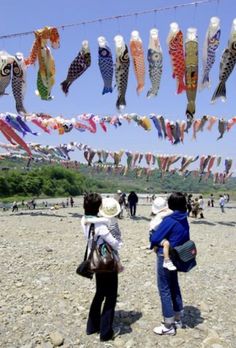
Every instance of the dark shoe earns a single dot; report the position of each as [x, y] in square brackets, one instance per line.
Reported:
[92, 332]
[115, 333]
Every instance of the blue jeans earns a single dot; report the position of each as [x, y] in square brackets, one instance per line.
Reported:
[169, 290]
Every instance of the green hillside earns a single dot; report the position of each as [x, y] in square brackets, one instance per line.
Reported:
[44, 180]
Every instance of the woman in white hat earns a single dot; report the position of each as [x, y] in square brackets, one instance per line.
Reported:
[106, 283]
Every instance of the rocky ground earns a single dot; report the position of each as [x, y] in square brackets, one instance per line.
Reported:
[43, 303]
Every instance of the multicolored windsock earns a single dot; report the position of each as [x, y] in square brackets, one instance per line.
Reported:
[137, 53]
[121, 70]
[5, 71]
[41, 52]
[227, 64]
[155, 58]
[78, 66]
[211, 44]
[176, 51]
[191, 70]
[105, 63]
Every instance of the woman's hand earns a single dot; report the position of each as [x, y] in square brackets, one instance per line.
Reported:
[155, 248]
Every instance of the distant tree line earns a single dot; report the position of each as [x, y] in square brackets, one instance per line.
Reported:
[47, 180]
[57, 181]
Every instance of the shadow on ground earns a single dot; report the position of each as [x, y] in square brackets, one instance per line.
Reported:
[137, 218]
[76, 215]
[36, 213]
[125, 319]
[229, 223]
[202, 222]
[192, 317]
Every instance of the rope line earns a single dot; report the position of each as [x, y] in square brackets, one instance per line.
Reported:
[117, 17]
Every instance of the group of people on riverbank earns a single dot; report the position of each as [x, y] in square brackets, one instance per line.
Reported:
[128, 204]
[196, 206]
[28, 205]
[32, 204]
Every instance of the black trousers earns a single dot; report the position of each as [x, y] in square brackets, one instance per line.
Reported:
[106, 289]
[132, 208]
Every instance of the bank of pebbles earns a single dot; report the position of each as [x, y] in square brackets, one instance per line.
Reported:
[44, 304]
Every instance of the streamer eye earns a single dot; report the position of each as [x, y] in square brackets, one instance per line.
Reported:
[176, 39]
[233, 46]
[6, 70]
[104, 52]
[155, 56]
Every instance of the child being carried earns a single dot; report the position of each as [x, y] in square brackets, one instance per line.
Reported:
[160, 210]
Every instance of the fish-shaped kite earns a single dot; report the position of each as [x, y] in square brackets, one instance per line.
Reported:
[14, 138]
[121, 70]
[227, 64]
[24, 125]
[155, 58]
[5, 71]
[19, 82]
[41, 37]
[46, 74]
[12, 121]
[191, 70]
[176, 51]
[157, 125]
[137, 53]
[222, 126]
[105, 63]
[40, 51]
[79, 65]
[211, 44]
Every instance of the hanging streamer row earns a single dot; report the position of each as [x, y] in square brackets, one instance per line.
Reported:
[133, 159]
[173, 131]
[184, 54]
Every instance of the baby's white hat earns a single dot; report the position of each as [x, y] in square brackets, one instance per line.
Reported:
[158, 205]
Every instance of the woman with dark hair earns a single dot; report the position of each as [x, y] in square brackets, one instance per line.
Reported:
[175, 229]
[106, 283]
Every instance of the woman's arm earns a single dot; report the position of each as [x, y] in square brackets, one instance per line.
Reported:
[107, 237]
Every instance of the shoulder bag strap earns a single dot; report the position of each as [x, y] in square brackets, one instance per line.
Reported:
[91, 230]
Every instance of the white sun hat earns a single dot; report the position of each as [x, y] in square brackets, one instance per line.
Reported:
[158, 205]
[109, 208]
[119, 191]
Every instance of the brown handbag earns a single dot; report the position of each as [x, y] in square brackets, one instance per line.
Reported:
[102, 258]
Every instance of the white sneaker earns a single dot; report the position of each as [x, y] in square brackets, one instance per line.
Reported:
[163, 330]
[178, 324]
[169, 265]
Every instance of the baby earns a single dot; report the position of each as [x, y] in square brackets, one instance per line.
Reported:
[160, 210]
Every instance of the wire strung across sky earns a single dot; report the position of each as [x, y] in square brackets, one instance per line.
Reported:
[117, 17]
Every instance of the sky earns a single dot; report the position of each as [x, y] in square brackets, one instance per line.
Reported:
[85, 94]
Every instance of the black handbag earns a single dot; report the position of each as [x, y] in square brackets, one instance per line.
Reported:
[84, 267]
[84, 270]
[184, 256]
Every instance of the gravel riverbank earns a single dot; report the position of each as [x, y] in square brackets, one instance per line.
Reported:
[43, 302]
